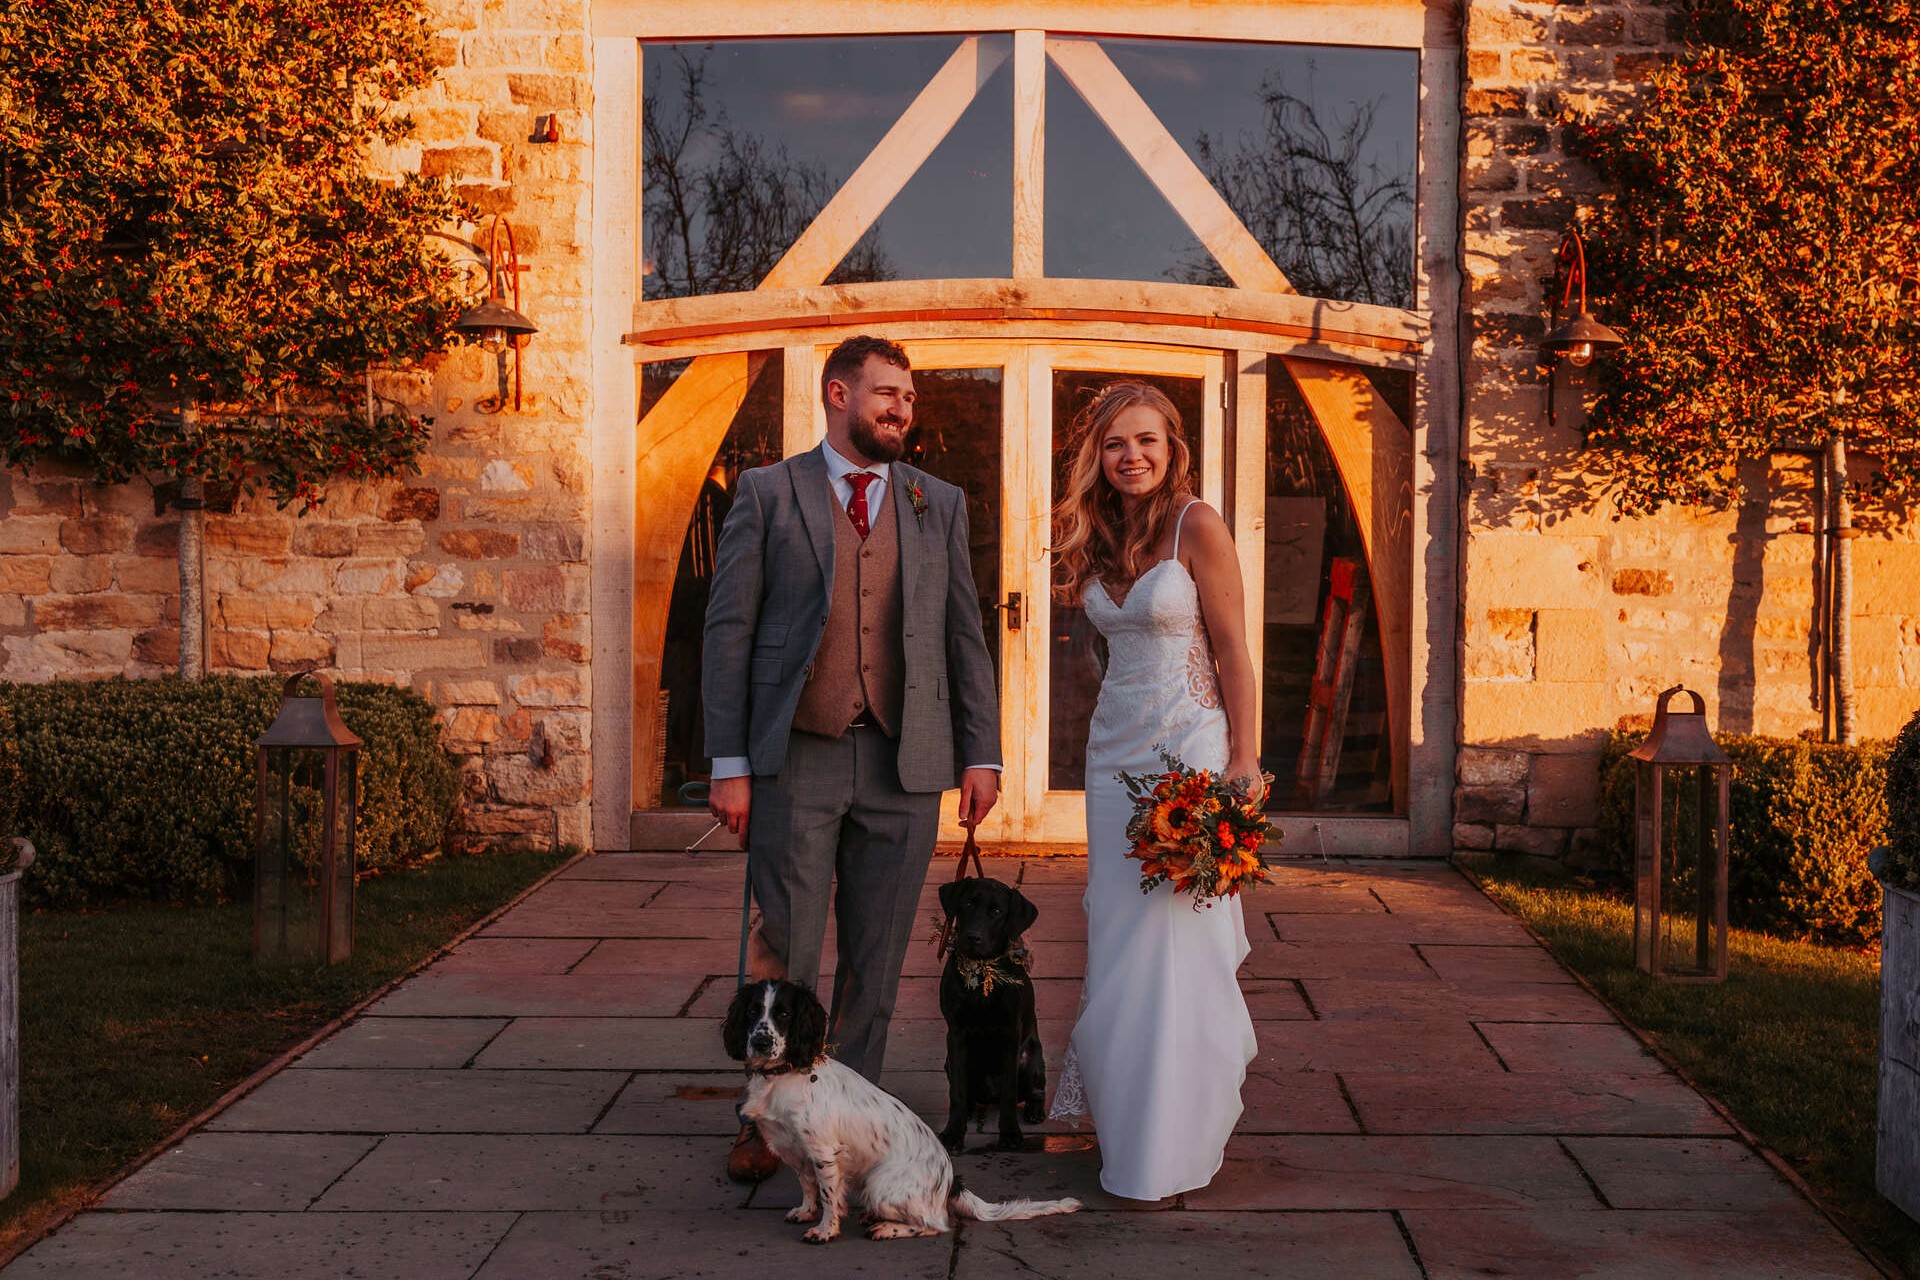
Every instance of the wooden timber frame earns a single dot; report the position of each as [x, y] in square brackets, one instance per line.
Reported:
[1400, 477]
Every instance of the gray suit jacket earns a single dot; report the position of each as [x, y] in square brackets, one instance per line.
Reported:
[772, 580]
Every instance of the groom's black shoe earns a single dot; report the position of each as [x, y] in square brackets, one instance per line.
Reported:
[750, 1160]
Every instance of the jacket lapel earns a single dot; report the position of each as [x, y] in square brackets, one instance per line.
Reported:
[904, 481]
[814, 493]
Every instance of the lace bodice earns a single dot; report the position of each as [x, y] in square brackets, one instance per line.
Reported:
[1161, 683]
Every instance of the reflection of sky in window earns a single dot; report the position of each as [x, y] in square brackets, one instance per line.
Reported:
[1219, 90]
[815, 108]
[805, 113]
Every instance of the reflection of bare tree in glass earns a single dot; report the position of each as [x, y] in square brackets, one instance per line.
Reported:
[1338, 223]
[721, 205]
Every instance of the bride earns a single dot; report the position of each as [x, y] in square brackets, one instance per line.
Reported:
[1162, 1042]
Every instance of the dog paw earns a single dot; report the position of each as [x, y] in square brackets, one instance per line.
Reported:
[1034, 1112]
[895, 1231]
[1015, 1141]
[819, 1235]
[800, 1213]
[954, 1140]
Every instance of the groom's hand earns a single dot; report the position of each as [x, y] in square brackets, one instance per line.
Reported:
[979, 788]
[729, 800]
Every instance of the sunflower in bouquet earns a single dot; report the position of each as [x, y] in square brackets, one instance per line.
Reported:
[1196, 830]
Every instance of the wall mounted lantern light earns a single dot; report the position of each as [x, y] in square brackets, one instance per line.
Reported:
[497, 323]
[1578, 339]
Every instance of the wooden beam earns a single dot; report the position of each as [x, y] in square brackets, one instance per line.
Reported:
[669, 320]
[1374, 451]
[1402, 24]
[1166, 163]
[888, 167]
[1029, 153]
[674, 447]
[616, 274]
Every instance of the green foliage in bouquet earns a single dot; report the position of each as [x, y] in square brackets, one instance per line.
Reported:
[186, 217]
[144, 789]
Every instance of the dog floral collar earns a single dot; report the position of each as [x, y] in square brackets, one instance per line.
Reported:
[1010, 968]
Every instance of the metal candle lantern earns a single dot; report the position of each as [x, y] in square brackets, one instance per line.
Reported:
[1680, 809]
[306, 804]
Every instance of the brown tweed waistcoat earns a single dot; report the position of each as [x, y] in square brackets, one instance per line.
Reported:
[860, 664]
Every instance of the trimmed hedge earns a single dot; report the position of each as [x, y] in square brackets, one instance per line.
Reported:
[143, 789]
[1805, 814]
[9, 789]
[1903, 809]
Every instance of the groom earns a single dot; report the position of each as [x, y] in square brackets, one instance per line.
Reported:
[846, 680]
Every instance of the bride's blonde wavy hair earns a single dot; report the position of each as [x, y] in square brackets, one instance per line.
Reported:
[1094, 534]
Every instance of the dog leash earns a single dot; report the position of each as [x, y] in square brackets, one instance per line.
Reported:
[970, 849]
[746, 896]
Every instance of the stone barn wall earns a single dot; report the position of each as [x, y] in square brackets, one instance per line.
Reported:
[467, 582]
[1574, 620]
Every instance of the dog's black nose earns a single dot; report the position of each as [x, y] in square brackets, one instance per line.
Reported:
[760, 1042]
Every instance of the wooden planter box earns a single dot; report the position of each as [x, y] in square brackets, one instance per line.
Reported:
[10, 1020]
[1897, 1153]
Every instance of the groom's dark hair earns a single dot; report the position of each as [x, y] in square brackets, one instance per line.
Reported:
[851, 356]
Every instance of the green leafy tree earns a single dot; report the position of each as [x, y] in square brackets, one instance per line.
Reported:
[200, 273]
[1761, 255]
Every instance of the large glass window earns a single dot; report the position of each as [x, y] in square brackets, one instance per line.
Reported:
[1312, 146]
[743, 142]
[1324, 715]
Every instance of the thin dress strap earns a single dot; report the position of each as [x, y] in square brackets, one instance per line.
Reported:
[1178, 521]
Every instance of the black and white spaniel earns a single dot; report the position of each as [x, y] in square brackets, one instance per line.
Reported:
[846, 1138]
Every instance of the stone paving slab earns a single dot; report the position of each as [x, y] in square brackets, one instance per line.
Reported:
[249, 1246]
[471, 1173]
[536, 995]
[1386, 1172]
[258, 1171]
[1536, 1102]
[1467, 964]
[1420, 999]
[1570, 1046]
[396, 1101]
[1681, 1173]
[608, 1044]
[514, 955]
[1438, 1045]
[656, 957]
[1633, 1245]
[1347, 961]
[675, 1102]
[1299, 1246]
[405, 1042]
[716, 1244]
[1448, 927]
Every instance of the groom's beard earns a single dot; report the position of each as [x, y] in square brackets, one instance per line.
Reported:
[877, 441]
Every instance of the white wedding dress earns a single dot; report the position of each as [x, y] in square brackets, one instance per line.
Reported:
[1161, 1045]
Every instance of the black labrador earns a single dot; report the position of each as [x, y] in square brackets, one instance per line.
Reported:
[994, 1056]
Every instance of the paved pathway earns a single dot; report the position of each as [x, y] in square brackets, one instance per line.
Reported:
[1434, 1096]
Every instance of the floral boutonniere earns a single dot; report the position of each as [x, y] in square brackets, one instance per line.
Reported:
[919, 500]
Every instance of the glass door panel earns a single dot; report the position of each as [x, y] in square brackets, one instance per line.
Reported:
[1068, 651]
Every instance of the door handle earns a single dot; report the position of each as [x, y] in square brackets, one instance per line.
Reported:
[1011, 616]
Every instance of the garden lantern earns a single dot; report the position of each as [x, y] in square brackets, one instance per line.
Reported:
[305, 806]
[1680, 810]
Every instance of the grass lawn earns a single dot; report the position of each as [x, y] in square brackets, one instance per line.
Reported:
[1789, 1043]
[133, 1021]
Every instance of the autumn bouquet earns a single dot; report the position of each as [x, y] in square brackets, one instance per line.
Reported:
[1197, 830]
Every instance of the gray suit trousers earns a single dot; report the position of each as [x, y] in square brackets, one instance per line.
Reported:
[836, 811]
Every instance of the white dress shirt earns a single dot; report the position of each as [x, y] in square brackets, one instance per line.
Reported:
[838, 469]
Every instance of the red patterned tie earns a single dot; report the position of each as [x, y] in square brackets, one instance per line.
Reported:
[857, 509]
